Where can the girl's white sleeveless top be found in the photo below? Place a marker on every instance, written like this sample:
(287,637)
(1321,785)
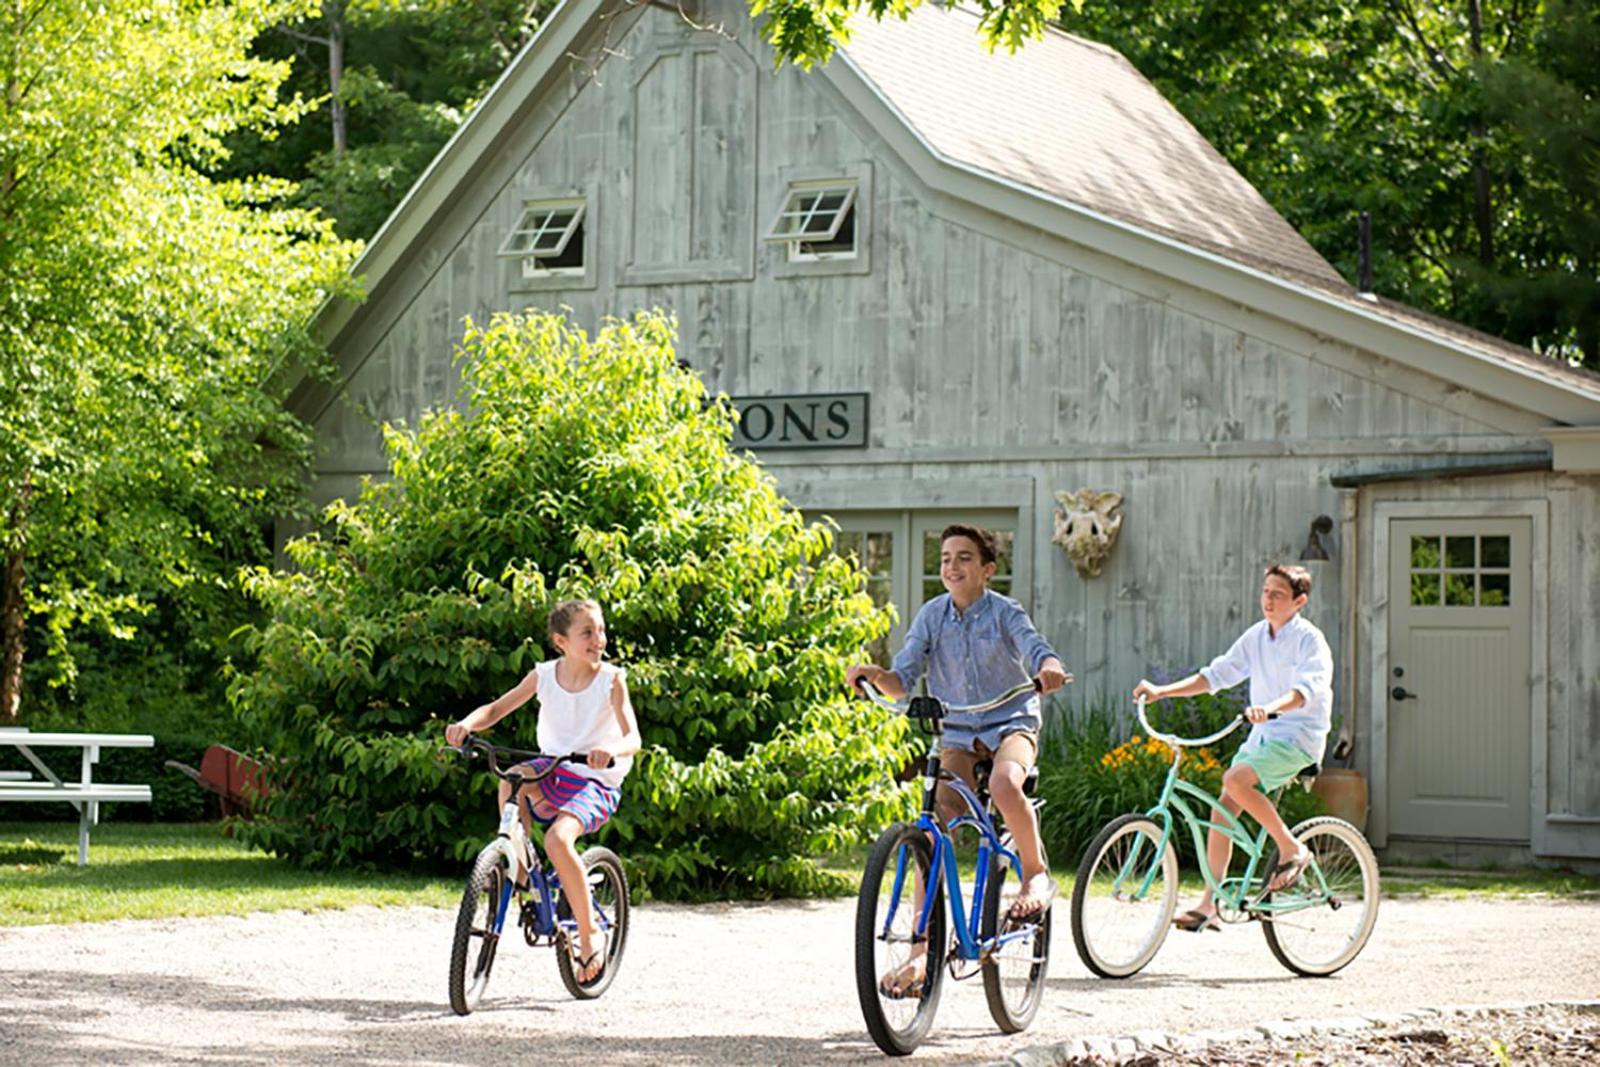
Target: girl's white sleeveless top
(577,722)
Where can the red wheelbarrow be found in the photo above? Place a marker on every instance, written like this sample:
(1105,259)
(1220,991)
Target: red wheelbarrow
(235,779)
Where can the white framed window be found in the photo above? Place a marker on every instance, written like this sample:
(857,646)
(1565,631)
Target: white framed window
(817,220)
(549,238)
(898,552)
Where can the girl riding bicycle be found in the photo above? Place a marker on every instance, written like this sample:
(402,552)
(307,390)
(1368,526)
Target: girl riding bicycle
(583,707)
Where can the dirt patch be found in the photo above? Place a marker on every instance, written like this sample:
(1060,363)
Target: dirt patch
(1555,1035)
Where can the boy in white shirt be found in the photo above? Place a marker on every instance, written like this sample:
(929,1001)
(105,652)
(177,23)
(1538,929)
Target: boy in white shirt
(1290,669)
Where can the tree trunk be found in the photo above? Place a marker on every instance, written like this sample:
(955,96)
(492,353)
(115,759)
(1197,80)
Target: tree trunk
(341,136)
(11,617)
(1482,190)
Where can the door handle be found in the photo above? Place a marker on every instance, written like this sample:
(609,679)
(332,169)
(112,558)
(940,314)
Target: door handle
(1399,693)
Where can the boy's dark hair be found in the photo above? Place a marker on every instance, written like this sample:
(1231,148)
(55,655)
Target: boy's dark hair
(1298,577)
(562,614)
(988,547)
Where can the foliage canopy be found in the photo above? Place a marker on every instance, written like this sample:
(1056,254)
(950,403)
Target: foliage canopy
(572,467)
(143,307)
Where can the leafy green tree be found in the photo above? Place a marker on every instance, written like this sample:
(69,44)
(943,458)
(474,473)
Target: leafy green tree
(572,467)
(142,308)
(1333,109)
(1549,104)
(806,32)
(390,81)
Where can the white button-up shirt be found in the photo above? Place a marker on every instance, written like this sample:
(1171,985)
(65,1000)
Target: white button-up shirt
(1296,657)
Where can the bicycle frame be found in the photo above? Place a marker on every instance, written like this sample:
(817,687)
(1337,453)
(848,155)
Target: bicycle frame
(943,865)
(544,887)
(1232,892)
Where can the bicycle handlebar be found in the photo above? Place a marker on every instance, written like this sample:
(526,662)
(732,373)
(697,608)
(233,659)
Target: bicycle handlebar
(473,746)
(1190,742)
(909,704)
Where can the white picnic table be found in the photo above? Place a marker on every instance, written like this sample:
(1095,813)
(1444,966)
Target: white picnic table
(85,794)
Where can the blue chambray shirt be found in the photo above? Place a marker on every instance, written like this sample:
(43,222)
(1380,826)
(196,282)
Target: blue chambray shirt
(972,657)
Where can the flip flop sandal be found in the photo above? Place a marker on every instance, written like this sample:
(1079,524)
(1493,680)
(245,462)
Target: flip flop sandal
(1195,920)
(1289,870)
(588,961)
(1017,915)
(583,963)
(910,992)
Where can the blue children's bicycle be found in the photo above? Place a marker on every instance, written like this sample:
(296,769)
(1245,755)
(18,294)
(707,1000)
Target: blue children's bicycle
(904,926)
(542,913)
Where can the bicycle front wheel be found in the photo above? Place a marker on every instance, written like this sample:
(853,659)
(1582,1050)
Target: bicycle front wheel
(1124,897)
(608,899)
(1323,921)
(1017,956)
(898,973)
(473,949)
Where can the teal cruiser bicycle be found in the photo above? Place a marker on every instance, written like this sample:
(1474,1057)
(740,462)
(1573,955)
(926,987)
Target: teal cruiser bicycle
(1127,885)
(913,920)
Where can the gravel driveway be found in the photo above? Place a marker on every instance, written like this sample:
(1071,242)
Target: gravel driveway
(760,983)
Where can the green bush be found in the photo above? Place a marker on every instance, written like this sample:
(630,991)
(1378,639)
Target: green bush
(1096,763)
(573,467)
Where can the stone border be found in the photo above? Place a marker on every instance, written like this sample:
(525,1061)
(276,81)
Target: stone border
(1112,1050)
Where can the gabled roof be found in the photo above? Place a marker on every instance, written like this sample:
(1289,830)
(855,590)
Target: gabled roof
(1074,119)
(1064,136)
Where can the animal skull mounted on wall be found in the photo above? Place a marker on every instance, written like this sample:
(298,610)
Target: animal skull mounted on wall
(1086,526)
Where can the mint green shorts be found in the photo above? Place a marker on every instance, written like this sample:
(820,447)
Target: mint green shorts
(1275,762)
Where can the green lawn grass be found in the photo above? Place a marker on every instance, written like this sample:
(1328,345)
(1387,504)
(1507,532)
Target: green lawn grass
(148,871)
(161,870)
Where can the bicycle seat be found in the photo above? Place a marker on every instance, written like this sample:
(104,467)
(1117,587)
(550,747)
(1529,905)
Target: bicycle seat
(1310,773)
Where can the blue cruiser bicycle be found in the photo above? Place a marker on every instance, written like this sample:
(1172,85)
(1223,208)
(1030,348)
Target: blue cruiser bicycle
(538,908)
(913,921)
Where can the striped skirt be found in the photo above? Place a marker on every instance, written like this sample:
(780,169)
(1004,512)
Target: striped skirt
(589,801)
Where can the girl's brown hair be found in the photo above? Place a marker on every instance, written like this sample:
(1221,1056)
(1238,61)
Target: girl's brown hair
(562,614)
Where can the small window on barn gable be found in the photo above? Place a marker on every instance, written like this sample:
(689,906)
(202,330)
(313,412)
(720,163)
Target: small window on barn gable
(548,238)
(818,221)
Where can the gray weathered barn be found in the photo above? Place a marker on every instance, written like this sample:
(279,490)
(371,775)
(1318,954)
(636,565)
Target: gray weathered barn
(947,284)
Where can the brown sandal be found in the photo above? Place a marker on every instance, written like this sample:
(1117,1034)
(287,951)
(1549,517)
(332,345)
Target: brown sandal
(1195,920)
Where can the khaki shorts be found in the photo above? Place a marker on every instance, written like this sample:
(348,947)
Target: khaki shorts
(1020,747)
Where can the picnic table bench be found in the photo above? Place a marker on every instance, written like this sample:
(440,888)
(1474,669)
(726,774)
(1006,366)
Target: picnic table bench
(85,794)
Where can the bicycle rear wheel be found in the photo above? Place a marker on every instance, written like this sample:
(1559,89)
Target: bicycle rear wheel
(1014,971)
(608,896)
(1124,897)
(1334,904)
(887,948)
(472,951)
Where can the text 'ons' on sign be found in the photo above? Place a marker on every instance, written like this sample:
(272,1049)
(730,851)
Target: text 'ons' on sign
(814,420)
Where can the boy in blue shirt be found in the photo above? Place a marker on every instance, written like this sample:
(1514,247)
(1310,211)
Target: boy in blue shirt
(1290,669)
(973,644)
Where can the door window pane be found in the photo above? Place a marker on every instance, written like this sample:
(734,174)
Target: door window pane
(1458,590)
(1494,590)
(1460,552)
(1424,590)
(1497,552)
(1424,553)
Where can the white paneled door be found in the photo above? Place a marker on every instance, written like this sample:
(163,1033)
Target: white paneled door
(1458,683)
